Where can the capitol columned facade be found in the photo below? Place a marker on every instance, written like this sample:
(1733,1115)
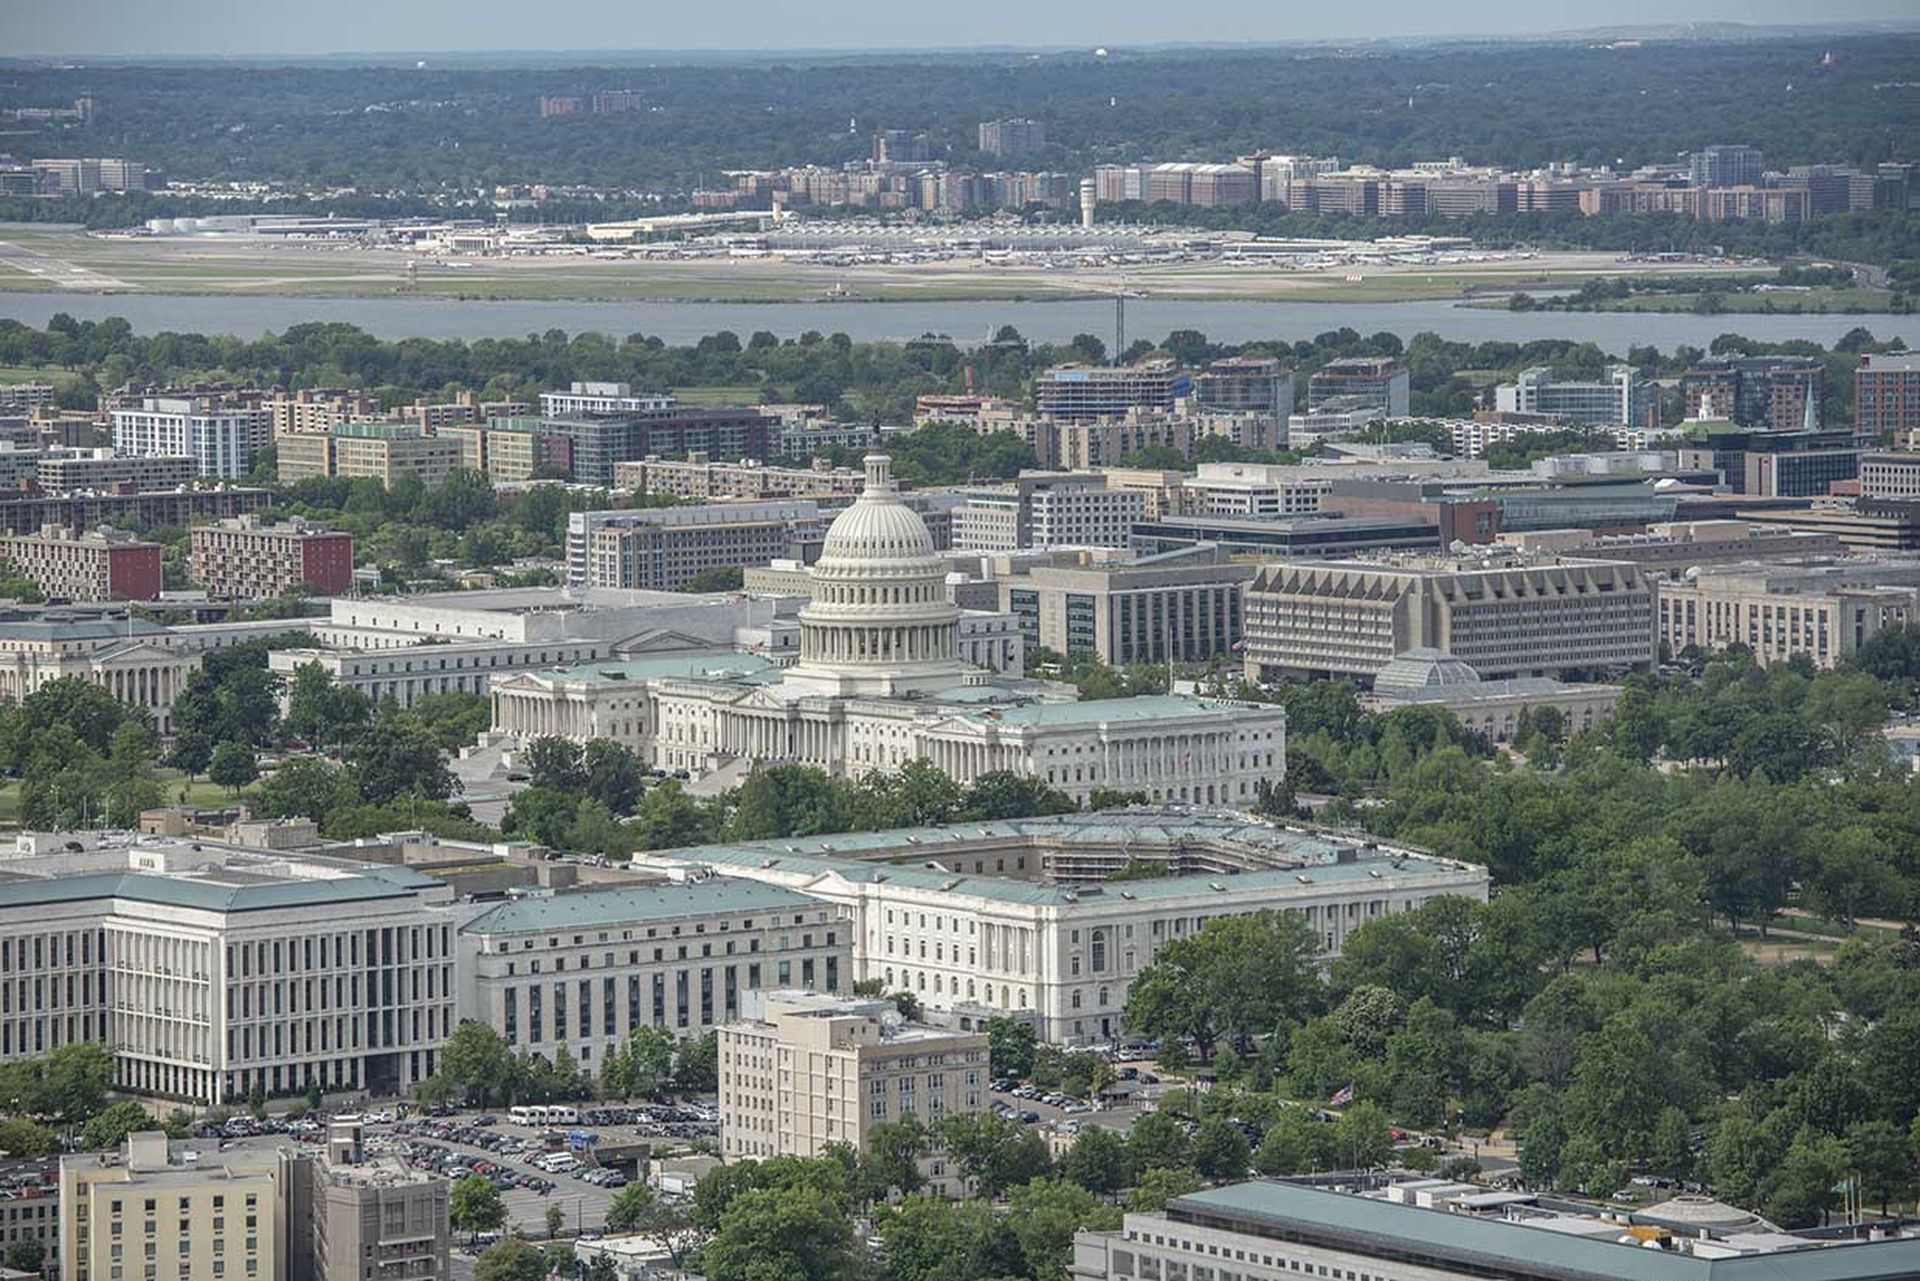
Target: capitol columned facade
(880,682)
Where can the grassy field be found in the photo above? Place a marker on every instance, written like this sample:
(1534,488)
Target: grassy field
(195,266)
(199,792)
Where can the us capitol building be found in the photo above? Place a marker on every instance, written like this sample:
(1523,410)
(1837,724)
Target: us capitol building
(879,682)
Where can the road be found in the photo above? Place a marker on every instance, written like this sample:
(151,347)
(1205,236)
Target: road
(56,271)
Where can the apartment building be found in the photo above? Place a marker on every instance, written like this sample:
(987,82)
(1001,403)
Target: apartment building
(85,509)
(1012,137)
(244,559)
(1776,393)
(1074,393)
(24,398)
(1378,381)
(1505,614)
(582,969)
(168,1211)
(1622,398)
(1182,605)
(589,398)
(506,448)
(1334,418)
(97,564)
(219,438)
(216,972)
(1727,165)
(320,409)
(1824,610)
(810,1072)
(1046,510)
(384,451)
(592,446)
(699,477)
(1886,398)
(1011,923)
(1079,444)
(106,470)
(1245,385)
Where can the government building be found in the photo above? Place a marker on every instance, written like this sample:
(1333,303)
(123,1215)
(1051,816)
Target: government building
(881,680)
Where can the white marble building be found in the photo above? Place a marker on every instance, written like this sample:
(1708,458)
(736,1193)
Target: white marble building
(882,680)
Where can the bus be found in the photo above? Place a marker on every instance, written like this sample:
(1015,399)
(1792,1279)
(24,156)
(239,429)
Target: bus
(527,1115)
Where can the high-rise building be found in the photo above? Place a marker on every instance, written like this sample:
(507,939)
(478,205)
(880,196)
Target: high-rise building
(593,445)
(1771,392)
(244,559)
(1727,165)
(1079,392)
(1246,385)
(97,564)
(1377,381)
(105,471)
(1886,397)
(219,438)
(201,1210)
(812,1072)
(902,147)
(1623,397)
(1012,137)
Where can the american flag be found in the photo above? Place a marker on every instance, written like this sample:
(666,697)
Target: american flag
(1342,1096)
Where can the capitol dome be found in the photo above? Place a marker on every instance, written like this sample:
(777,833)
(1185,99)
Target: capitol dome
(879,621)
(1414,670)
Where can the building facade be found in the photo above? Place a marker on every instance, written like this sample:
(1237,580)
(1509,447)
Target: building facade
(1825,611)
(1046,510)
(1180,606)
(806,1073)
(243,559)
(99,564)
(583,969)
(1072,393)
(219,438)
(1886,398)
(166,1210)
(384,451)
(103,469)
(700,478)
(1623,398)
(1771,393)
(1505,615)
(1378,381)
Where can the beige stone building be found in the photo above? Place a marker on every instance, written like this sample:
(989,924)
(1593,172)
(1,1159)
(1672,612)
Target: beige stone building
(814,1070)
(1504,613)
(360,1219)
(698,476)
(384,451)
(1826,610)
(168,1212)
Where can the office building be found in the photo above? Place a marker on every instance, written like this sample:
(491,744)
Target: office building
(1076,393)
(1179,606)
(1015,918)
(661,548)
(132,659)
(85,509)
(1857,524)
(1246,385)
(1776,464)
(1322,535)
(1622,398)
(582,969)
(219,438)
(1336,418)
(1012,137)
(1046,510)
(1727,166)
(1256,491)
(589,448)
(880,682)
(1669,549)
(600,398)
(1886,398)
(216,972)
(104,470)
(809,1073)
(161,1209)
(1503,613)
(97,564)
(244,559)
(700,478)
(352,1217)
(902,147)
(1776,393)
(1378,380)
(388,452)
(1824,610)
(1434,678)
(1435,1230)
(1890,475)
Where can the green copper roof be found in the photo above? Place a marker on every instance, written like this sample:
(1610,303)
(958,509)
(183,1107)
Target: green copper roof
(1337,1218)
(705,664)
(592,908)
(213,894)
(1143,707)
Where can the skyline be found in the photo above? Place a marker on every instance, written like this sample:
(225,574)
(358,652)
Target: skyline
(362,28)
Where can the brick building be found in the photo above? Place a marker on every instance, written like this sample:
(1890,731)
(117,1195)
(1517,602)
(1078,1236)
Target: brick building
(244,559)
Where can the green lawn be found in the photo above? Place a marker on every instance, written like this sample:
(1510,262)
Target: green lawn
(200,792)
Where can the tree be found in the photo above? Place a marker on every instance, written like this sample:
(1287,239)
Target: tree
(1045,1213)
(474,1206)
(1157,1142)
(555,763)
(934,1239)
(322,711)
(1219,1149)
(73,1081)
(1010,1046)
(556,1219)
(696,1064)
(1152,1189)
(1002,794)
(782,1234)
(1238,977)
(394,756)
(477,1063)
(1097,1161)
(1362,1137)
(110,1127)
(21,1138)
(233,766)
(612,775)
(25,1255)
(1294,1143)
(649,1061)
(304,787)
(891,1161)
(509,1260)
(993,1153)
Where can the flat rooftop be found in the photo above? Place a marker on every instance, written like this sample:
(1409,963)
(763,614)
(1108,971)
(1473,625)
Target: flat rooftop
(624,904)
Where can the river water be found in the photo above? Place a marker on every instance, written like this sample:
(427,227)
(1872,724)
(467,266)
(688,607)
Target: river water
(965,322)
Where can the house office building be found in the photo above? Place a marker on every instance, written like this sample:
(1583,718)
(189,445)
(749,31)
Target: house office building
(582,969)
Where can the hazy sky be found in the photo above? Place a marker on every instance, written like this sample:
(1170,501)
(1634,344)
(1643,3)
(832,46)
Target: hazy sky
(133,27)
